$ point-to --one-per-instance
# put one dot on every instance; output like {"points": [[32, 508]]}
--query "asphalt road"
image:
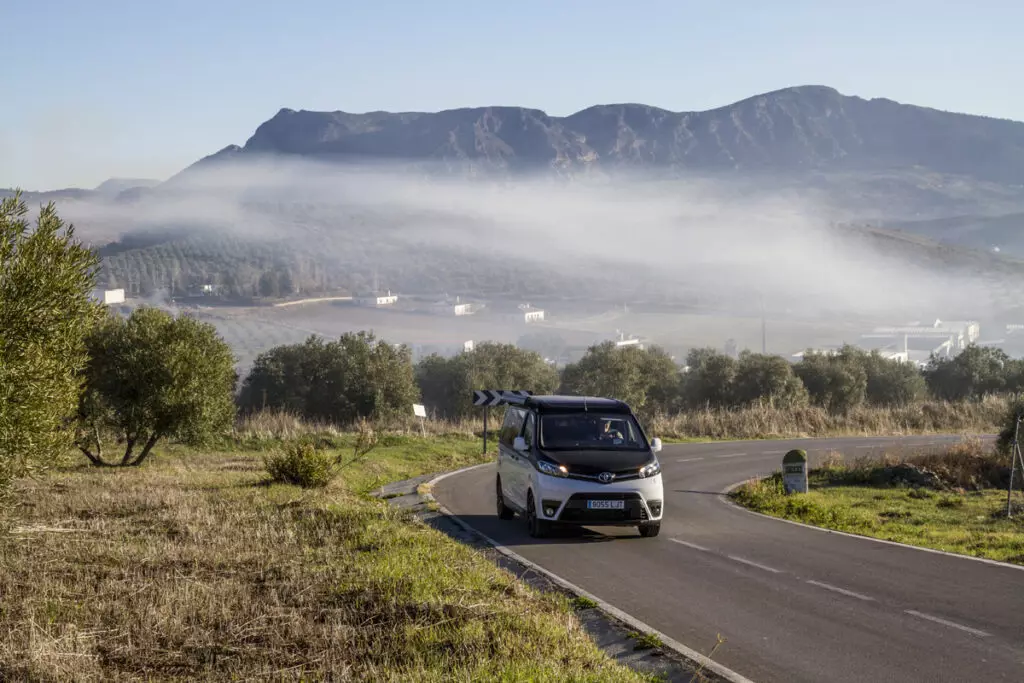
{"points": [[794, 604]]}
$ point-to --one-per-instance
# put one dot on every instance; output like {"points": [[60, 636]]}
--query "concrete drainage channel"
{"points": [[622, 637]]}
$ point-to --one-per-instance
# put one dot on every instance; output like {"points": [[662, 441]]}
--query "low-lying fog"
{"points": [[703, 234]]}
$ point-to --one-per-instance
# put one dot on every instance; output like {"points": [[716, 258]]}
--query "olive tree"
{"points": [[647, 379], [152, 376], [447, 383], [764, 377], [46, 276], [340, 381]]}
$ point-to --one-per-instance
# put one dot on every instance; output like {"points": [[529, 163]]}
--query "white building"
{"points": [[377, 299], [531, 314], [108, 296], [950, 337], [631, 340]]}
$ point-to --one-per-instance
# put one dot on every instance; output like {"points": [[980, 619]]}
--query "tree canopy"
{"points": [[46, 276], [151, 376], [355, 376]]}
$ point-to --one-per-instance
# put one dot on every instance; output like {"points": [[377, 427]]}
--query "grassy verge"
{"points": [[953, 501], [193, 568]]}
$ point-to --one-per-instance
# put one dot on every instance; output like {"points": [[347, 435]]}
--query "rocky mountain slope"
{"points": [[794, 129]]}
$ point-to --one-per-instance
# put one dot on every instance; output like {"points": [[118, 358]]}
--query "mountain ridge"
{"points": [[807, 127]]}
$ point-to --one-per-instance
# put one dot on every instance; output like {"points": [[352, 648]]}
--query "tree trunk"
{"points": [[128, 451], [97, 457], [146, 449]]}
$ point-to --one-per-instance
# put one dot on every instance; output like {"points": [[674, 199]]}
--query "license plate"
{"points": [[606, 504]]}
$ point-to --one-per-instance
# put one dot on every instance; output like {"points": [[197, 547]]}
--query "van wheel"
{"points": [[650, 530], [538, 527], [504, 511]]}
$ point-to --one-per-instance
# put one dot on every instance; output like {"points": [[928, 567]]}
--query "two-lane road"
{"points": [[794, 604]]}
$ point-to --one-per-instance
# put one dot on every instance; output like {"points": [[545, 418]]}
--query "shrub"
{"points": [[303, 463], [306, 462]]}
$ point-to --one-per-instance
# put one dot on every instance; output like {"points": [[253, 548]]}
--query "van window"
{"points": [[528, 430], [591, 431], [512, 426]]}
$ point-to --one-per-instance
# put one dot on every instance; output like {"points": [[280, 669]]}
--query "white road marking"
{"points": [[731, 455], [946, 622], [689, 545], [773, 452], [837, 589], [755, 564], [689, 459]]}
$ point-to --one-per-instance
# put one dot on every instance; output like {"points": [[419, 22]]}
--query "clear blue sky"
{"points": [[94, 89]]}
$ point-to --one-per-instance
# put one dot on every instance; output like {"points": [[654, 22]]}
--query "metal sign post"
{"points": [[1015, 457], [488, 398]]}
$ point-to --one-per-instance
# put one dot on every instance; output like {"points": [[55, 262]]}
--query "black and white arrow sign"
{"points": [[495, 397]]}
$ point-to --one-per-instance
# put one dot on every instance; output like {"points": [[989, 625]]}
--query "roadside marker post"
{"points": [[488, 398], [794, 471]]}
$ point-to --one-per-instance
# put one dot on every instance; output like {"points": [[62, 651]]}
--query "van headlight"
{"points": [[550, 468], [650, 469]]}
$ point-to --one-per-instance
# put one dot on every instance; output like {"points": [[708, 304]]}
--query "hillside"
{"points": [[999, 233]]}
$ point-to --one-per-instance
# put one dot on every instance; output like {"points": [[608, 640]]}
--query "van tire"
{"points": [[504, 511], [538, 528]]}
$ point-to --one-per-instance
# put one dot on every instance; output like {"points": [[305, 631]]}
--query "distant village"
{"points": [[914, 342]]}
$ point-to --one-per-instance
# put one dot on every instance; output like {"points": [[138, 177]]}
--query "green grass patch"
{"points": [[645, 641], [581, 602], [970, 523], [194, 568]]}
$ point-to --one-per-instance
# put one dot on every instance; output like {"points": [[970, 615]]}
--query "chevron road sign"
{"points": [[495, 397]]}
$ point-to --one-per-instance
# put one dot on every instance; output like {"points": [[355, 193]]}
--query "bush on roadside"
{"points": [[309, 462], [303, 463]]}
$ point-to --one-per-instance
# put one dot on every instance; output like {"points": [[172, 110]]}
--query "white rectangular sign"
{"points": [[419, 410]]}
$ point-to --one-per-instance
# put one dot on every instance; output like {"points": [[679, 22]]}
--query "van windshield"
{"points": [[591, 431]]}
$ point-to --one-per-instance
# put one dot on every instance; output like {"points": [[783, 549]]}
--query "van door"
{"points": [[510, 461], [526, 462]]}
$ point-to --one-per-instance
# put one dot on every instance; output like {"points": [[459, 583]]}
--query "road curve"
{"points": [[794, 604]]}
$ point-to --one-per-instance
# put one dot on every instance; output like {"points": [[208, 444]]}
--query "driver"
{"points": [[611, 434]]}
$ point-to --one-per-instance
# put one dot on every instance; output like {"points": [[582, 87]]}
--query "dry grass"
{"points": [[274, 426], [765, 422], [192, 568], [758, 422]]}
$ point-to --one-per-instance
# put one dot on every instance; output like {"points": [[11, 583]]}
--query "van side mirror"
{"points": [[656, 445], [519, 444]]}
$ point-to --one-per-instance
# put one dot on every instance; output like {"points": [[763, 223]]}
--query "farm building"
{"points": [[376, 299]]}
